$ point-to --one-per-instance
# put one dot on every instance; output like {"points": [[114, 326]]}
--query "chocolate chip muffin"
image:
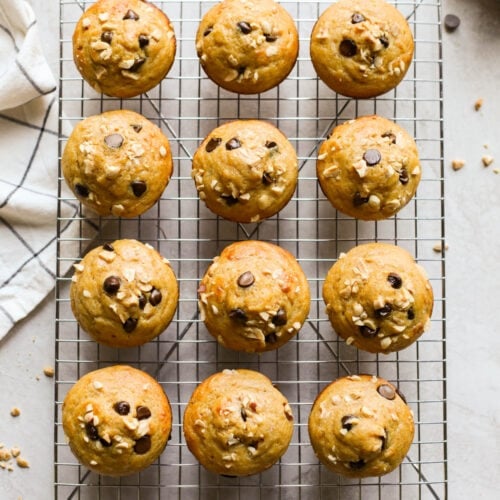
{"points": [[361, 426], [237, 423], [247, 46], [245, 170], [123, 294], [117, 163], [369, 168], [123, 48], [117, 420], [361, 48], [377, 298], [254, 297]]}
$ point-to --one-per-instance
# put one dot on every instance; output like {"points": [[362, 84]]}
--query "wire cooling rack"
{"points": [[187, 106]]}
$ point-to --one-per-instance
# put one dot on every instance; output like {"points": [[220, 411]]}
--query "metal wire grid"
{"points": [[187, 106]]}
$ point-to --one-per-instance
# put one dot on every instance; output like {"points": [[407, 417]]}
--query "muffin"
{"points": [[117, 163], [117, 420], [123, 294], [361, 48], [361, 426], [245, 170], [377, 298], [247, 46], [254, 297], [237, 423], [369, 168], [123, 48]]}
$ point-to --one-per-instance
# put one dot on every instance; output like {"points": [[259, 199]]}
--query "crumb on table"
{"points": [[487, 160]]}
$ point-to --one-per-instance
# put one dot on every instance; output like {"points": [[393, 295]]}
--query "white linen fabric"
{"points": [[28, 167]]}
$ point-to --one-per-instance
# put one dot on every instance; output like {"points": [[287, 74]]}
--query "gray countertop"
{"points": [[471, 71]]}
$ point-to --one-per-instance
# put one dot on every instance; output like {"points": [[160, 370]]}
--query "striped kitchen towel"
{"points": [[28, 166]]}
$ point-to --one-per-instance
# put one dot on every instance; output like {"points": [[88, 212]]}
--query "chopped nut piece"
{"points": [[22, 462], [457, 164], [5, 455], [487, 160], [15, 412], [478, 104], [438, 247], [15, 452], [48, 371]]}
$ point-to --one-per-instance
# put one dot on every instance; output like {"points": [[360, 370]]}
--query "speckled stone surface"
{"points": [[472, 208]]}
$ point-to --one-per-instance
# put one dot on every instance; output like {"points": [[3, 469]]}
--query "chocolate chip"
{"points": [[271, 338], [114, 141], [357, 18], [122, 408], [244, 27], [91, 431], [137, 64], [212, 144], [383, 312], [270, 38], [82, 190], [241, 70], [130, 14], [108, 247], [143, 445], [372, 157], [357, 465], [130, 325], [112, 284], [280, 318], [395, 280], [403, 176], [243, 414], [137, 128], [386, 391], [142, 412], [368, 332], [384, 41], [401, 395], [105, 443], [359, 200], [389, 135], [348, 47], [271, 145], [230, 200], [143, 41], [107, 36], [155, 297], [238, 315], [139, 188], [233, 143], [142, 301], [348, 422], [410, 314], [208, 31], [246, 279], [451, 22], [267, 179]]}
